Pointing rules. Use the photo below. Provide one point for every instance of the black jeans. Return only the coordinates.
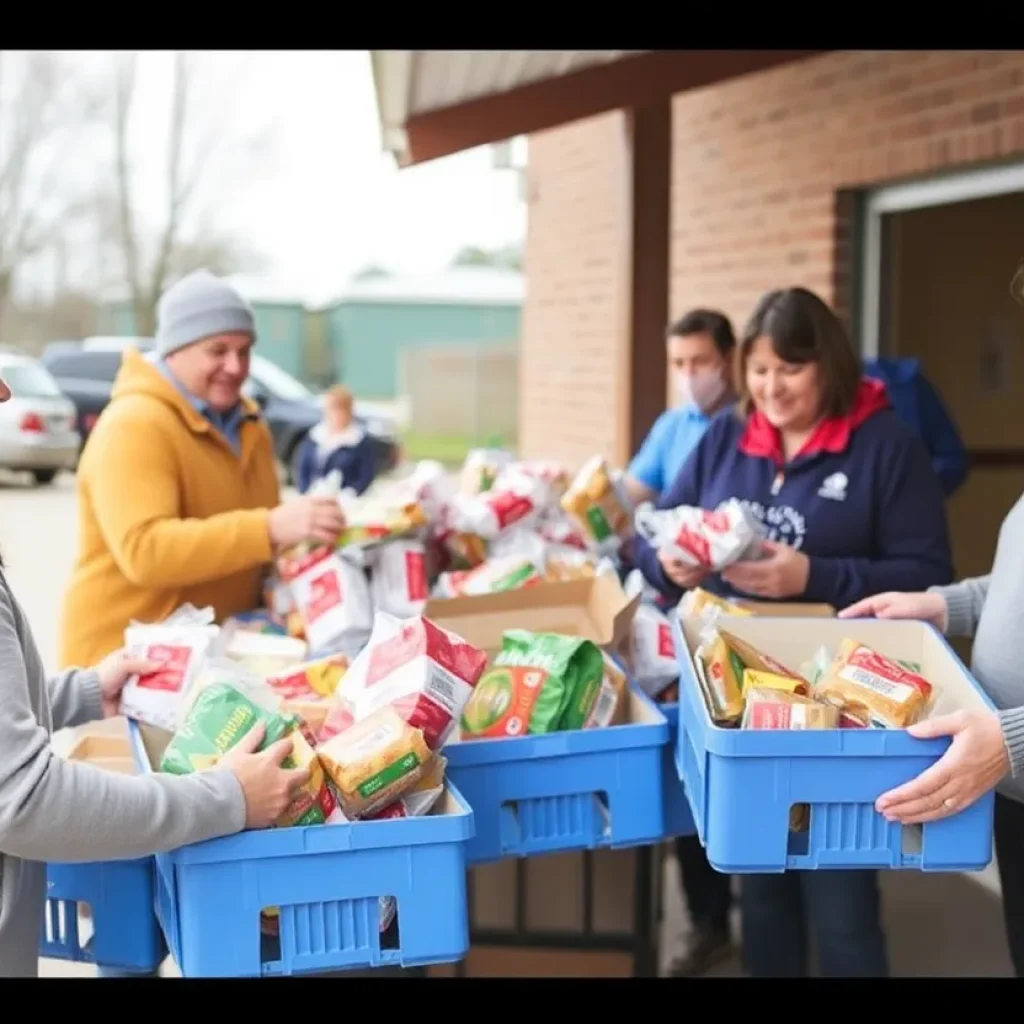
(708, 893)
(843, 908)
(1009, 843)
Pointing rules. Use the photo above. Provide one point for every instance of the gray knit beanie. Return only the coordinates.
(197, 307)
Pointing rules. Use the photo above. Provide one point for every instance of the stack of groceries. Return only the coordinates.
(343, 661)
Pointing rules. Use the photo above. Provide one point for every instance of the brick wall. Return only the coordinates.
(760, 166)
(572, 320)
(758, 163)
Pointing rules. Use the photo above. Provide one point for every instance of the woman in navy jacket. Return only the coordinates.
(337, 443)
(852, 506)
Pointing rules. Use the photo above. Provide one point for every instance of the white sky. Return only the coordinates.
(321, 200)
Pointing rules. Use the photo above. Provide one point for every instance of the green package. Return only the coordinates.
(538, 683)
(220, 716)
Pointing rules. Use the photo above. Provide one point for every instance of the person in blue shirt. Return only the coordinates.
(700, 348)
(339, 444)
(852, 507)
(918, 403)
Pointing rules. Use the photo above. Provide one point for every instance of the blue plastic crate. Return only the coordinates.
(326, 880)
(575, 790)
(742, 784)
(678, 816)
(125, 933)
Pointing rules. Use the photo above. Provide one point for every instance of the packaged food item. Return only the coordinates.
(565, 563)
(374, 761)
(698, 600)
(340, 716)
(379, 522)
(768, 708)
(333, 597)
(398, 578)
(696, 536)
(722, 675)
(422, 671)
(262, 654)
(222, 712)
(516, 496)
(538, 683)
(750, 657)
(874, 689)
(316, 678)
(419, 799)
(652, 650)
(312, 710)
(752, 679)
(512, 572)
(610, 706)
(556, 527)
(180, 645)
(481, 468)
(598, 506)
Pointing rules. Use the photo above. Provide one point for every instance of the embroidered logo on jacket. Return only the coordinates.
(834, 487)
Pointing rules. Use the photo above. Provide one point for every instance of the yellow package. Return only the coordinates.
(610, 706)
(696, 600)
(595, 506)
(374, 761)
(752, 678)
(750, 657)
(722, 674)
(874, 689)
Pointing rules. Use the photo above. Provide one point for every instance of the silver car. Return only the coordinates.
(38, 429)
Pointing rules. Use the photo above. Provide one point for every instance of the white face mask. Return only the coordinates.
(702, 389)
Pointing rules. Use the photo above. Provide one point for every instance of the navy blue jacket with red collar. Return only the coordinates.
(860, 499)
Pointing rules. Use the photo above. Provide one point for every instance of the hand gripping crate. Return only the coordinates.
(326, 880)
(742, 784)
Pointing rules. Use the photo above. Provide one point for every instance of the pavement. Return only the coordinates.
(938, 925)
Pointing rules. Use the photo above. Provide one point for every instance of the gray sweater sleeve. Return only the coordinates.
(75, 698)
(52, 809)
(964, 601)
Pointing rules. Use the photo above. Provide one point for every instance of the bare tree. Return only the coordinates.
(182, 237)
(44, 111)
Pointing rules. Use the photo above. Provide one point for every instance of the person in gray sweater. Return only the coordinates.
(987, 749)
(56, 810)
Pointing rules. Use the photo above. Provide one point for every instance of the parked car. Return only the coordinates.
(38, 425)
(85, 372)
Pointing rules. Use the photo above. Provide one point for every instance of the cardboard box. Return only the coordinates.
(110, 752)
(596, 609)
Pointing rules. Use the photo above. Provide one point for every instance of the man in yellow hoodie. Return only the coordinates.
(178, 494)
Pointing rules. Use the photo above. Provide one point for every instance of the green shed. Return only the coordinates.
(369, 325)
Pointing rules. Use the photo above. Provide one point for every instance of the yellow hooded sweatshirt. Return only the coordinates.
(168, 513)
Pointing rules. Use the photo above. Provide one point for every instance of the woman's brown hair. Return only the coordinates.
(802, 329)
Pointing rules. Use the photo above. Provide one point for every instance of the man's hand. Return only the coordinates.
(114, 671)
(306, 518)
(681, 573)
(269, 789)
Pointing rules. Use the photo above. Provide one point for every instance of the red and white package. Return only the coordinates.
(696, 536)
(398, 578)
(510, 572)
(180, 644)
(332, 597)
(516, 497)
(424, 672)
(555, 527)
(652, 650)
